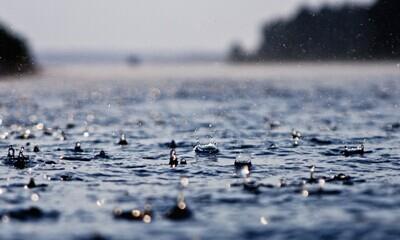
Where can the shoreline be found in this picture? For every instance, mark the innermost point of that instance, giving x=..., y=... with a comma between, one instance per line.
x=214, y=71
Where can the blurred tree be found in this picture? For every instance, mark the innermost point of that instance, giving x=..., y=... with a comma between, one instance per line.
x=384, y=16
x=15, y=56
x=237, y=53
x=333, y=33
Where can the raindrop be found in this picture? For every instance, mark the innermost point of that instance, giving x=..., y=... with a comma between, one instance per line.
x=122, y=140
x=78, y=147
x=263, y=220
x=35, y=197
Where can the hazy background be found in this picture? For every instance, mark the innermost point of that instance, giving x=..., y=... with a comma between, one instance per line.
x=145, y=26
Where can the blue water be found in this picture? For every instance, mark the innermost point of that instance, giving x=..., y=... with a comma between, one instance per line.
x=249, y=113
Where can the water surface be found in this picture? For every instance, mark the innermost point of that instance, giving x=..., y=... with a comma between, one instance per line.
x=247, y=110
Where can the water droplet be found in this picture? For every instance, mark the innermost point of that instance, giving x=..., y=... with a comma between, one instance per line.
x=78, y=147
x=321, y=182
x=90, y=117
x=100, y=202
x=147, y=219
x=5, y=219
x=36, y=148
x=136, y=213
x=122, y=140
x=181, y=205
x=39, y=126
x=263, y=220
x=245, y=172
x=184, y=181
x=304, y=193
x=35, y=197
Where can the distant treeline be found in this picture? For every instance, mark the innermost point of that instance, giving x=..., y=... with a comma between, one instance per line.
x=15, y=56
x=331, y=33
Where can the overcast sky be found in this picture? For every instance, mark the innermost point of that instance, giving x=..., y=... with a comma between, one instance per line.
x=145, y=25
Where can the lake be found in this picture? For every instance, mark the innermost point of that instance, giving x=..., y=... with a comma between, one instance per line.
x=301, y=126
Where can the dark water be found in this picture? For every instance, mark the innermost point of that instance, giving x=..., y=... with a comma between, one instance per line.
x=248, y=116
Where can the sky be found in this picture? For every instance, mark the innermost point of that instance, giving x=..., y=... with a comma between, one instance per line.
x=145, y=25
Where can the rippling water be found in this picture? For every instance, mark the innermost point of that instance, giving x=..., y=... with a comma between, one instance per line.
x=249, y=111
